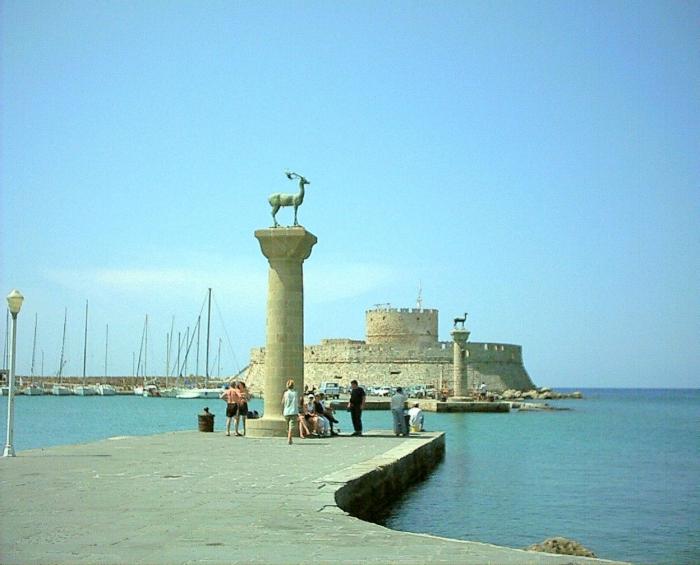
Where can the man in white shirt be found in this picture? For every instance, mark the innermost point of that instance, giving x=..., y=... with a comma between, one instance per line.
x=398, y=403
x=415, y=418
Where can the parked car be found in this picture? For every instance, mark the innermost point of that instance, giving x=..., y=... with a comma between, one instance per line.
x=331, y=389
x=383, y=391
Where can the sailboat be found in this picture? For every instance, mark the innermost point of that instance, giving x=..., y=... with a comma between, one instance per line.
x=170, y=391
x=60, y=389
x=204, y=392
x=33, y=389
x=84, y=389
x=147, y=390
x=105, y=389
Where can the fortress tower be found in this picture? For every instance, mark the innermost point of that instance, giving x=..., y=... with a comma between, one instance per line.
x=401, y=326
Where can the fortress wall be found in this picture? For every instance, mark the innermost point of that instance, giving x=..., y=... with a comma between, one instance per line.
x=402, y=326
x=500, y=366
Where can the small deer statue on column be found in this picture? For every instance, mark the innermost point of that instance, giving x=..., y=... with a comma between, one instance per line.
x=460, y=321
x=280, y=199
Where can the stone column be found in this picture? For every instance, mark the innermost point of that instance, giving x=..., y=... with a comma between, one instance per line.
x=285, y=249
x=459, y=380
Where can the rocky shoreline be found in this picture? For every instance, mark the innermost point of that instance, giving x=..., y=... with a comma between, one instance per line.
x=539, y=394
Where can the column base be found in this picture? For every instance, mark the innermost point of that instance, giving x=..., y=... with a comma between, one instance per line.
x=266, y=427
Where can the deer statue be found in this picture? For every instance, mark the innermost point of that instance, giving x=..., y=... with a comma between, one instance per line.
x=460, y=321
x=280, y=199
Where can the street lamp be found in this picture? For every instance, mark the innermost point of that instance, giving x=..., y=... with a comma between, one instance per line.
x=14, y=303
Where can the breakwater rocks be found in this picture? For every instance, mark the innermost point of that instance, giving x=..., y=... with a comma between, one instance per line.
x=561, y=546
x=538, y=394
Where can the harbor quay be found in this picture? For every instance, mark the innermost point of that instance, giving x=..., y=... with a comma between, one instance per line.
x=205, y=498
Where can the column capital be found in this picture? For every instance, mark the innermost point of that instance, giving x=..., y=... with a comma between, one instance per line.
x=460, y=336
x=280, y=243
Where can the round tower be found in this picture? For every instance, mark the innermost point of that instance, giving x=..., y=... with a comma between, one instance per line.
x=401, y=326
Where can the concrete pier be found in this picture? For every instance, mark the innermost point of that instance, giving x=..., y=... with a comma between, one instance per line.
x=195, y=498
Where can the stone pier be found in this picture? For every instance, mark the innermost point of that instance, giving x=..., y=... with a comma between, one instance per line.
x=285, y=249
x=459, y=379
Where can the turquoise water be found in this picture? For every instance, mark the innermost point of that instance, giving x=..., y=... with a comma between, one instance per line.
x=618, y=473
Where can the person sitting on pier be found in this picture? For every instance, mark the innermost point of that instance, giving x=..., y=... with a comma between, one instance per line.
x=312, y=418
x=323, y=422
x=328, y=412
x=303, y=428
x=415, y=418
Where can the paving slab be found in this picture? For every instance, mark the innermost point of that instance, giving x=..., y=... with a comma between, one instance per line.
x=205, y=498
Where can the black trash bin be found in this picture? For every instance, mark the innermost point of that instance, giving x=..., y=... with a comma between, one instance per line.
x=206, y=421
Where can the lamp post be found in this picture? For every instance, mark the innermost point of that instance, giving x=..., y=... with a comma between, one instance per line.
x=14, y=302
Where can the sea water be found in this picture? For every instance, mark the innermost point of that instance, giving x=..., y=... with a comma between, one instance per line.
x=619, y=472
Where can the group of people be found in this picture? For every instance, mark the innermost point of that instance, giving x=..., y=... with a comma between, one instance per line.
x=313, y=417
x=405, y=419
x=236, y=397
x=309, y=413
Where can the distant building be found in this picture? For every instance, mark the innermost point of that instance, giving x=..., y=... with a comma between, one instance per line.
x=402, y=348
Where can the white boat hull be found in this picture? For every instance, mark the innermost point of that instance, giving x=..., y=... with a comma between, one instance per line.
x=33, y=390
x=106, y=390
x=84, y=390
x=60, y=390
x=199, y=393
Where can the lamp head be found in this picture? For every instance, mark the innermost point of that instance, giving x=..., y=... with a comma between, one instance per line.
x=14, y=301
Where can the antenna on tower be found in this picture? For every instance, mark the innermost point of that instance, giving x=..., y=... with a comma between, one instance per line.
x=419, y=300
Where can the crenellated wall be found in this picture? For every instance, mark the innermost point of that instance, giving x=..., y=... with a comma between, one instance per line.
x=402, y=349
x=499, y=365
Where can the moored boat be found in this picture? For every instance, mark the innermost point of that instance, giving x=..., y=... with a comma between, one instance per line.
x=105, y=390
x=84, y=390
x=199, y=393
x=33, y=390
x=61, y=390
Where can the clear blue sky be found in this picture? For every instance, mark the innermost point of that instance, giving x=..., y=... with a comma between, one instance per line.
x=536, y=164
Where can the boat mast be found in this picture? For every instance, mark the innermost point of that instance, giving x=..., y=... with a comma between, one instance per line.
x=36, y=316
x=85, y=343
x=145, y=353
x=106, y=347
x=63, y=347
x=179, y=347
x=206, y=376
x=168, y=348
x=196, y=366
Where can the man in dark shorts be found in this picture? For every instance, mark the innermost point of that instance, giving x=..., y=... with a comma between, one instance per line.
x=231, y=396
x=355, y=406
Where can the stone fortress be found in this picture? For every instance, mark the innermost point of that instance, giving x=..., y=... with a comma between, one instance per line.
x=402, y=348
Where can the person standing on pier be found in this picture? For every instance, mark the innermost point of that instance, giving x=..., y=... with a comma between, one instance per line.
x=398, y=403
x=243, y=398
x=290, y=409
x=231, y=396
x=356, y=405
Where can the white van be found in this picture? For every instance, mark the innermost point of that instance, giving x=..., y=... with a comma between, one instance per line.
x=331, y=389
